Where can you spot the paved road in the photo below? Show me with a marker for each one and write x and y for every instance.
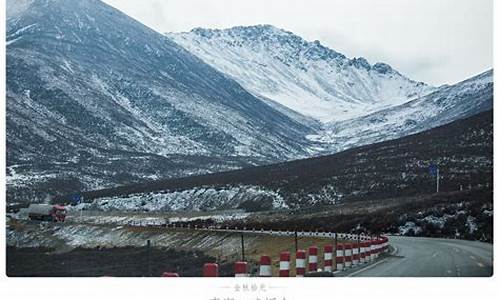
(417, 257)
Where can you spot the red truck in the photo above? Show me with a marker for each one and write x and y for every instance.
(47, 212)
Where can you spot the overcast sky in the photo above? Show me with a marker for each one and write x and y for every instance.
(435, 41)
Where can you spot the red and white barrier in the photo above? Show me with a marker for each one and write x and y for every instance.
(355, 254)
(313, 259)
(284, 264)
(241, 269)
(210, 270)
(377, 247)
(339, 257)
(300, 263)
(362, 252)
(385, 246)
(265, 266)
(372, 250)
(328, 258)
(348, 255)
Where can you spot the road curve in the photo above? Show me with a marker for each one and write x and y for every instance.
(432, 257)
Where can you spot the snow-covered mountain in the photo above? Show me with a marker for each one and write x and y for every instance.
(356, 103)
(95, 98)
(445, 105)
(306, 77)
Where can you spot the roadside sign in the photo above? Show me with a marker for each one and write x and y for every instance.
(76, 199)
(433, 169)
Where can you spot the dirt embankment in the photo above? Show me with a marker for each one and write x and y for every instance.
(110, 250)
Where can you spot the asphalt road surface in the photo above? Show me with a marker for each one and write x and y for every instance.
(430, 257)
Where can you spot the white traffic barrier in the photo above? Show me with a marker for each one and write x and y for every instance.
(362, 251)
(265, 266)
(377, 247)
(372, 250)
(210, 270)
(313, 259)
(284, 264)
(240, 269)
(328, 267)
(355, 254)
(348, 255)
(339, 257)
(300, 263)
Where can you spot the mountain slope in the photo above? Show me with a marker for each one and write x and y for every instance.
(356, 103)
(94, 98)
(306, 77)
(443, 106)
(462, 149)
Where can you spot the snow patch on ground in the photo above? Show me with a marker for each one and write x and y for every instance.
(410, 228)
(196, 199)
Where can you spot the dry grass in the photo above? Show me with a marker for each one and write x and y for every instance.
(227, 248)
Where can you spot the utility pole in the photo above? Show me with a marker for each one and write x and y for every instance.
(296, 242)
(335, 250)
(242, 248)
(81, 210)
(437, 180)
(148, 249)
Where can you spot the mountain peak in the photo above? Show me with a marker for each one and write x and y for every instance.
(361, 62)
(304, 76)
(257, 32)
(382, 68)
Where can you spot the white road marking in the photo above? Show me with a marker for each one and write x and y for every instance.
(449, 271)
(480, 264)
(473, 257)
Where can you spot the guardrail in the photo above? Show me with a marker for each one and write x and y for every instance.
(348, 255)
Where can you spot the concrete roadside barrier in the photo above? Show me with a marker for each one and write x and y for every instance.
(362, 252)
(372, 250)
(339, 257)
(210, 270)
(284, 264)
(265, 266)
(300, 263)
(355, 254)
(313, 259)
(241, 269)
(377, 247)
(328, 258)
(348, 255)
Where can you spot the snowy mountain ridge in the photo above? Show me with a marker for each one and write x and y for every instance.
(447, 104)
(306, 77)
